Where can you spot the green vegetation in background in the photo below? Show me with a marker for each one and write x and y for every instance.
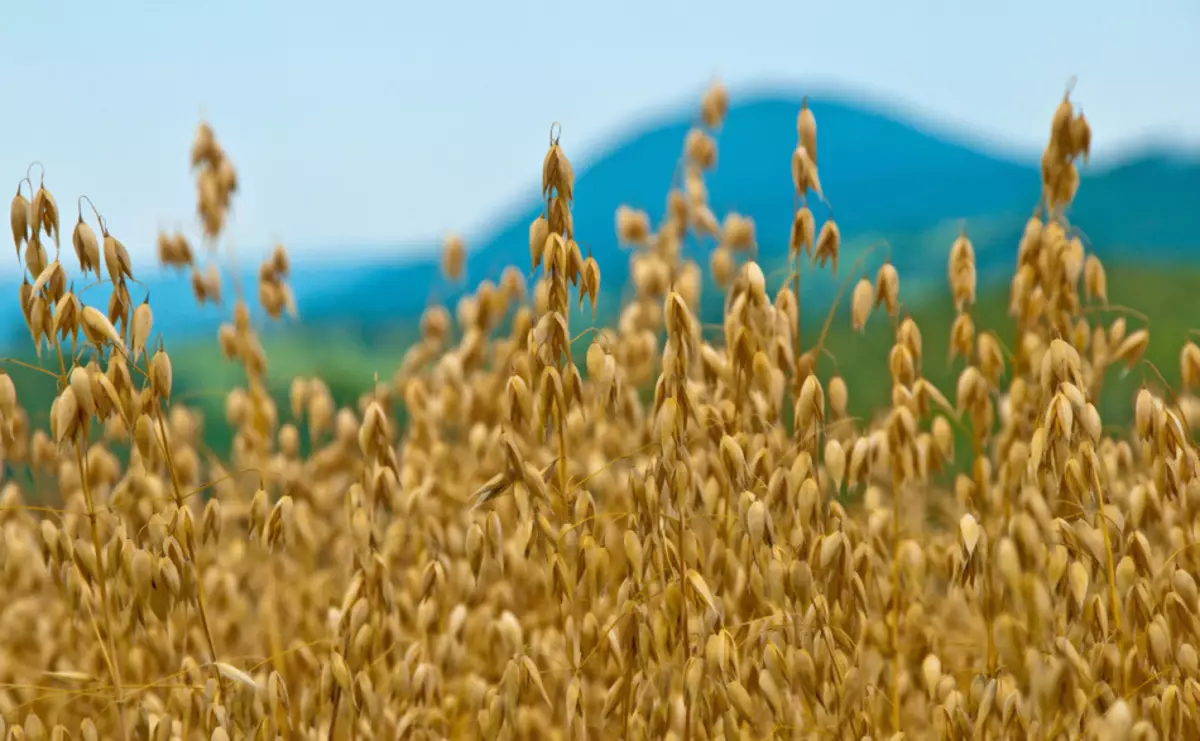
(349, 365)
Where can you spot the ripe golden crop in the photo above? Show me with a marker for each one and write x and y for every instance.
(691, 538)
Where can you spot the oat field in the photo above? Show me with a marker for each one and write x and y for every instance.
(678, 533)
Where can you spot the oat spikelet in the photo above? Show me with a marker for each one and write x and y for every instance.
(453, 257)
(99, 329)
(806, 128)
(861, 303)
(18, 219)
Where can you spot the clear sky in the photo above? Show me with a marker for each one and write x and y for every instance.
(381, 123)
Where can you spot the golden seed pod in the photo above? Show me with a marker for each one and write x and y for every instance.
(595, 360)
(227, 339)
(36, 258)
(1095, 282)
(175, 251)
(737, 232)
(47, 275)
(1130, 350)
(756, 522)
(212, 285)
(835, 462)
(210, 524)
(943, 437)
(64, 415)
(116, 259)
(860, 304)
(574, 262)
(714, 105)
(1061, 122)
(139, 329)
(144, 437)
(555, 255)
(722, 266)
(688, 284)
(81, 384)
(633, 225)
(810, 407)
(806, 129)
(677, 211)
(839, 397)
(803, 237)
(756, 282)
(164, 244)
(227, 179)
(991, 359)
(280, 262)
(828, 245)
(539, 230)
(887, 288)
(962, 337)
(1189, 365)
(44, 214)
(474, 547)
(8, 395)
(700, 149)
(557, 174)
(969, 533)
(270, 297)
(204, 146)
(1081, 137)
(804, 172)
(590, 283)
(18, 219)
(453, 257)
(87, 247)
(119, 305)
(160, 375)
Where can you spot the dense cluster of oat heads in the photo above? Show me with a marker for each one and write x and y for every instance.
(545, 551)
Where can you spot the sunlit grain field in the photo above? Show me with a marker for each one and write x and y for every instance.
(541, 526)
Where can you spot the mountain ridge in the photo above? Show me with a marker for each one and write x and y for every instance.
(883, 175)
(888, 173)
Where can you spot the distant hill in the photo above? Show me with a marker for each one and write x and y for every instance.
(885, 177)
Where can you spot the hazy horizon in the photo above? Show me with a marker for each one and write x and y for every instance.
(434, 118)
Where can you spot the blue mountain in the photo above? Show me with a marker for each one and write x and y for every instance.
(884, 176)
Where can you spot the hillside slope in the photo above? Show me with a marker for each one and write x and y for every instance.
(886, 179)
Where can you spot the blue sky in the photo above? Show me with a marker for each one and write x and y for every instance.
(359, 123)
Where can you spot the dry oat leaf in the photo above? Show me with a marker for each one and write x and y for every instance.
(701, 587)
(71, 677)
(574, 693)
(536, 677)
(234, 674)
